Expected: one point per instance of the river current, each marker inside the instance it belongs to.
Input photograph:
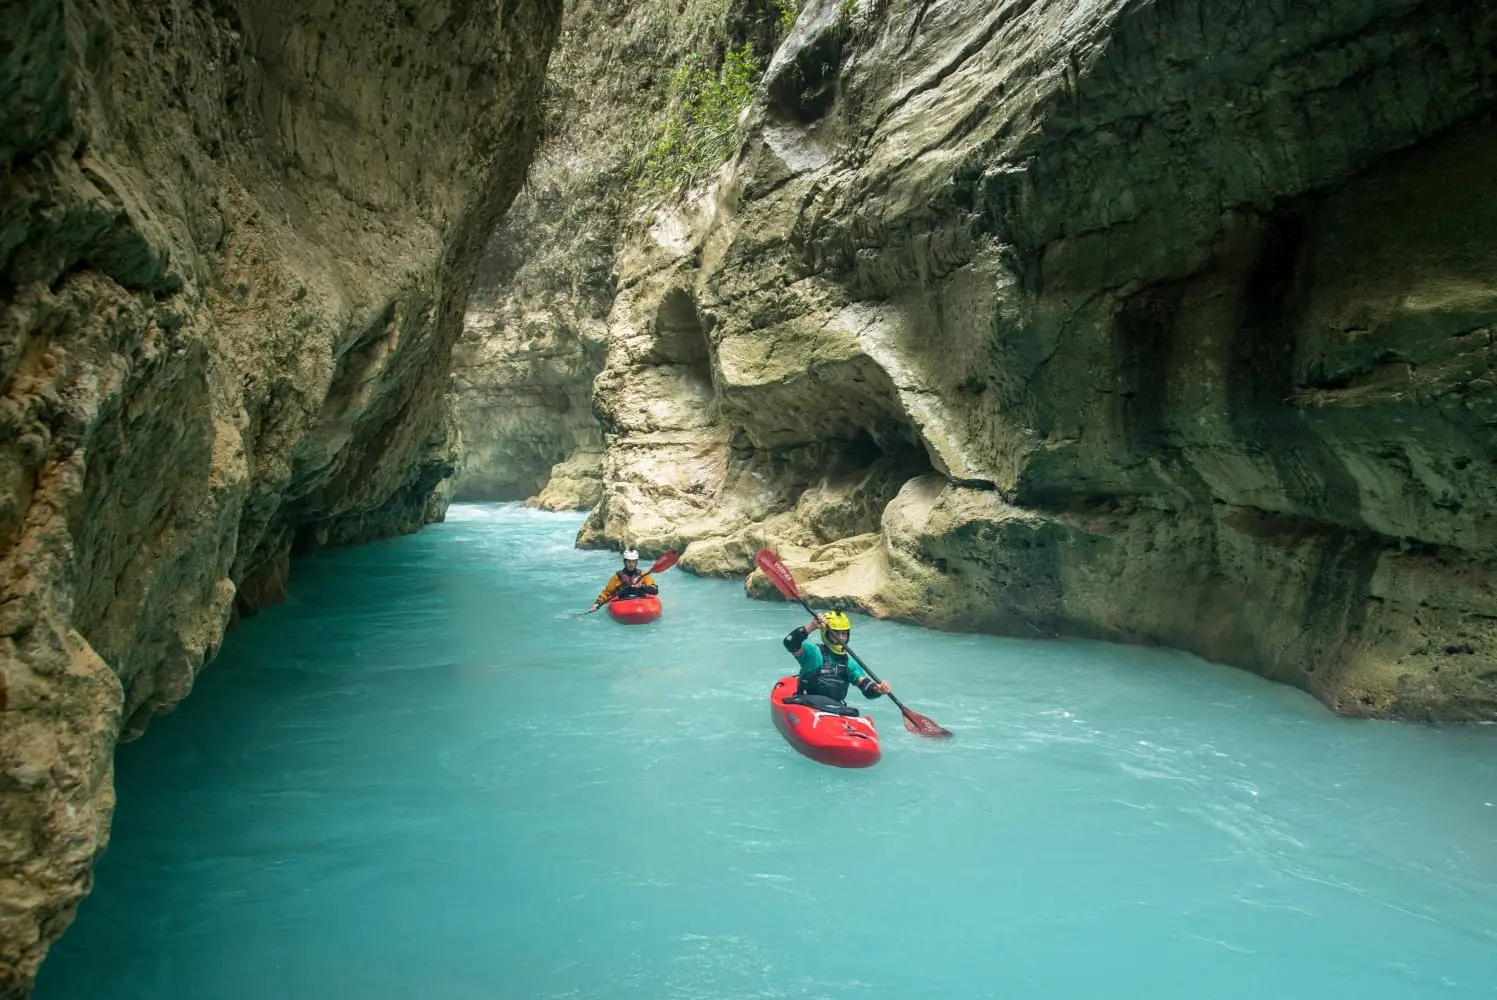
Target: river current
(420, 778)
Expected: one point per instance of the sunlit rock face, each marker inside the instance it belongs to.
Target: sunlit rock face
(1157, 322)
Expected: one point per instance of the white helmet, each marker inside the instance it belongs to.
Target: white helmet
(631, 555)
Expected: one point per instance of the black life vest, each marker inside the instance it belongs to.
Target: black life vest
(630, 586)
(832, 680)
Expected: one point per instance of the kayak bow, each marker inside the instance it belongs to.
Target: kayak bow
(635, 610)
(827, 737)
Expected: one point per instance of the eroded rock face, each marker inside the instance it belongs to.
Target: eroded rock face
(537, 328)
(235, 243)
(534, 333)
(533, 338)
(1172, 322)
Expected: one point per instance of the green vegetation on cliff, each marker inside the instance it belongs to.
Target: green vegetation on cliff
(727, 45)
(700, 126)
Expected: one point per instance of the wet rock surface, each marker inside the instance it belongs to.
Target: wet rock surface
(235, 246)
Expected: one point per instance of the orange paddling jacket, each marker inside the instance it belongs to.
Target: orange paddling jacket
(625, 589)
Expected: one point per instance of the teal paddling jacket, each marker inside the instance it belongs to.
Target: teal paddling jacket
(812, 659)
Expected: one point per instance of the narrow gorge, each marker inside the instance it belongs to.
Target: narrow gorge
(1158, 322)
(236, 244)
(1161, 322)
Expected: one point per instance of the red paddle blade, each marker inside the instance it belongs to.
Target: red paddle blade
(778, 574)
(922, 726)
(785, 584)
(665, 562)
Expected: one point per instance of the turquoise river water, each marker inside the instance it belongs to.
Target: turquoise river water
(417, 779)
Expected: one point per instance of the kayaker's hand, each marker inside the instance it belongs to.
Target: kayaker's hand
(818, 622)
(882, 687)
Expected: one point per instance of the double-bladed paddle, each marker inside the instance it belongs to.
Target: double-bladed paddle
(660, 565)
(780, 576)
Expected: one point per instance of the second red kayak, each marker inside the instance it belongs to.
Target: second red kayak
(635, 610)
(839, 740)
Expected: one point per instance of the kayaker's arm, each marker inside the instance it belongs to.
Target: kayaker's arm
(796, 639)
(613, 584)
(806, 654)
(647, 584)
(861, 680)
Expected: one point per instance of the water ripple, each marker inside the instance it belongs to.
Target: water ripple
(421, 778)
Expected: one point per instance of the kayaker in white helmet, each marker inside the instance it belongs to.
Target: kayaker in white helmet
(628, 582)
(826, 672)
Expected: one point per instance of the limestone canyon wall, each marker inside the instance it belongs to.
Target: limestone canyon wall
(537, 327)
(235, 243)
(1162, 322)
(533, 336)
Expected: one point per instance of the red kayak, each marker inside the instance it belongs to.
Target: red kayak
(839, 740)
(635, 610)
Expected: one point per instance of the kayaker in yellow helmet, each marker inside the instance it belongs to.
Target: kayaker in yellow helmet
(628, 582)
(826, 672)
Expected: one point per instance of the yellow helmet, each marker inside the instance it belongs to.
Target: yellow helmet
(836, 621)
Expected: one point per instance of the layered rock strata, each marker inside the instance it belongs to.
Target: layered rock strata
(537, 327)
(533, 335)
(235, 245)
(1164, 322)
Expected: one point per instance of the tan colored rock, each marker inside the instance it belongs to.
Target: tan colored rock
(575, 484)
(522, 391)
(1177, 321)
(537, 331)
(236, 241)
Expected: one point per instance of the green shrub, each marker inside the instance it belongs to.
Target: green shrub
(789, 10)
(700, 126)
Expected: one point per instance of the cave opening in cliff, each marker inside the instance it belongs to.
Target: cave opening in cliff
(879, 460)
(895, 445)
(681, 338)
